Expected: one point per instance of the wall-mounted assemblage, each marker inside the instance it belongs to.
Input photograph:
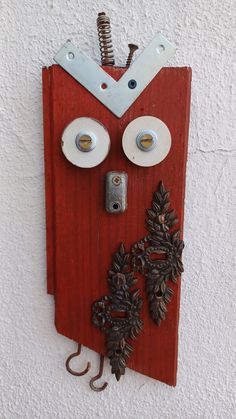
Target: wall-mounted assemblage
(115, 162)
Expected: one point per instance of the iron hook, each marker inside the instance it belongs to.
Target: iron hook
(77, 374)
(93, 379)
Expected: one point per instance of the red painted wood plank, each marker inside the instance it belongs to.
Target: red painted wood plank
(85, 236)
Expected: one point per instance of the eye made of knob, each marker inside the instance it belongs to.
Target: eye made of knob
(146, 140)
(85, 142)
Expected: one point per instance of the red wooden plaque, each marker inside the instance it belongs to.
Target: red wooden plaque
(82, 237)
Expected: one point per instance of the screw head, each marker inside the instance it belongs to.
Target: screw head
(133, 47)
(85, 141)
(116, 180)
(146, 140)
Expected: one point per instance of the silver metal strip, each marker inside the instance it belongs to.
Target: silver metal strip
(117, 96)
(116, 192)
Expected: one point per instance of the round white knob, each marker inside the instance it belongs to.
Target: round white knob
(85, 142)
(146, 141)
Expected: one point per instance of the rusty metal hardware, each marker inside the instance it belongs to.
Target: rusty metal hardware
(118, 314)
(105, 39)
(99, 375)
(158, 255)
(116, 192)
(132, 49)
(69, 369)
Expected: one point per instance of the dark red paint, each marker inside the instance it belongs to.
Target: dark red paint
(82, 236)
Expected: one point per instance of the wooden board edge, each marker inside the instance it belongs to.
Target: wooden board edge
(48, 157)
(186, 135)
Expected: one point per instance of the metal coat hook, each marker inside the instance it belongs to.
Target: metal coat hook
(93, 379)
(76, 373)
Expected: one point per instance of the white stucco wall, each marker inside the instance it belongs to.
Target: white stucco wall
(33, 380)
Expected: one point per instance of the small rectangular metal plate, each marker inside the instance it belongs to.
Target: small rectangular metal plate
(117, 96)
(116, 192)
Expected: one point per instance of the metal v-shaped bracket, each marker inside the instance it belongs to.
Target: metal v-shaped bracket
(117, 96)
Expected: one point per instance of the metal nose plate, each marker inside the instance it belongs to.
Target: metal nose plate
(116, 192)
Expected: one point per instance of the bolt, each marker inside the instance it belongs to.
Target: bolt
(146, 140)
(116, 180)
(85, 141)
(132, 49)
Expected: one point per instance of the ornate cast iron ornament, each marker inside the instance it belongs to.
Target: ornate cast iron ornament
(158, 255)
(118, 314)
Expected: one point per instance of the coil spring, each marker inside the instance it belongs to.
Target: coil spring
(105, 40)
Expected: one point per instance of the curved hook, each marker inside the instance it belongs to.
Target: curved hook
(93, 379)
(77, 374)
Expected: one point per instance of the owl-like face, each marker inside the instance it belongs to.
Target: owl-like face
(84, 142)
(146, 140)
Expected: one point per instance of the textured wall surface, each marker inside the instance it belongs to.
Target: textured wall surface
(33, 380)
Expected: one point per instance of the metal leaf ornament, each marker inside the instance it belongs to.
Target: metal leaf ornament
(118, 314)
(158, 255)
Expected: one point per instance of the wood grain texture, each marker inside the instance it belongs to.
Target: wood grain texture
(82, 236)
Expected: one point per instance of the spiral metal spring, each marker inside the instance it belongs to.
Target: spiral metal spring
(105, 40)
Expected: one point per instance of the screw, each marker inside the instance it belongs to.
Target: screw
(132, 49)
(116, 180)
(85, 141)
(146, 140)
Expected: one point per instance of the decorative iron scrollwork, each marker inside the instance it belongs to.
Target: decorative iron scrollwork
(158, 255)
(118, 314)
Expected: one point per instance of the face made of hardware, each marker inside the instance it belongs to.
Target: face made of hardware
(82, 236)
